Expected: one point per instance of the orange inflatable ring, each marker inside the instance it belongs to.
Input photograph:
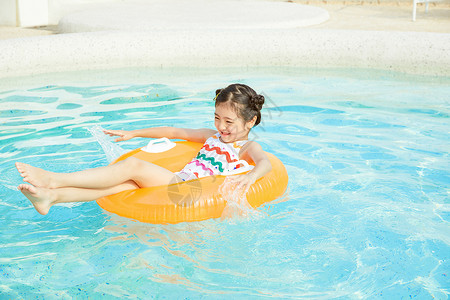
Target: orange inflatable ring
(188, 201)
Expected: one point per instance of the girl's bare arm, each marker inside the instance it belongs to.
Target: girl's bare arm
(255, 152)
(194, 135)
(252, 151)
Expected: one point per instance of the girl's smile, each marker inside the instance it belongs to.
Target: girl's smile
(231, 127)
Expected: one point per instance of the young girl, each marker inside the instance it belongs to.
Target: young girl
(237, 110)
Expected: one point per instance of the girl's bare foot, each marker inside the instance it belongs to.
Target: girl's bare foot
(41, 198)
(36, 176)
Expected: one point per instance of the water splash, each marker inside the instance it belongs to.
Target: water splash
(112, 150)
(237, 207)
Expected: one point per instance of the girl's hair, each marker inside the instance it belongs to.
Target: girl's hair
(243, 99)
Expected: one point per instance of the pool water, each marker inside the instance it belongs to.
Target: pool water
(366, 214)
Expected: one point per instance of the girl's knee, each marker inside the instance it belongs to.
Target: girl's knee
(133, 163)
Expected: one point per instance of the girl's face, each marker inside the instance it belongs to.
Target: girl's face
(230, 125)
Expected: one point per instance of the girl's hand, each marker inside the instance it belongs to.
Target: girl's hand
(122, 134)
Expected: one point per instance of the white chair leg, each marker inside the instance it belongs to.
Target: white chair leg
(414, 10)
(426, 6)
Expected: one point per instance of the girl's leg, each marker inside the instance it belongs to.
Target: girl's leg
(43, 198)
(143, 173)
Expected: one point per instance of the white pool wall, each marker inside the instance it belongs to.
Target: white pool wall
(30, 13)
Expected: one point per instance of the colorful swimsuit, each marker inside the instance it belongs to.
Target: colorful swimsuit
(214, 158)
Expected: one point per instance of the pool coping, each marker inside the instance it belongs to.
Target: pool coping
(408, 52)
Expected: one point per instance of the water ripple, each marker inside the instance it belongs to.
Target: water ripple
(365, 216)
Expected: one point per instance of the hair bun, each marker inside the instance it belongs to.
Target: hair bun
(257, 101)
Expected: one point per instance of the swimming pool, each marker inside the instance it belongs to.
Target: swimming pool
(366, 214)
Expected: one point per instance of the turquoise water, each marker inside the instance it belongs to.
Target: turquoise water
(366, 215)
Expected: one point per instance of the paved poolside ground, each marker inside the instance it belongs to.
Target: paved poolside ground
(387, 17)
(257, 34)
(384, 17)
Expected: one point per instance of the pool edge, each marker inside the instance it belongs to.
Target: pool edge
(407, 52)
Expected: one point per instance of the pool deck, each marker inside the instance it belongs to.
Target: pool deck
(323, 36)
